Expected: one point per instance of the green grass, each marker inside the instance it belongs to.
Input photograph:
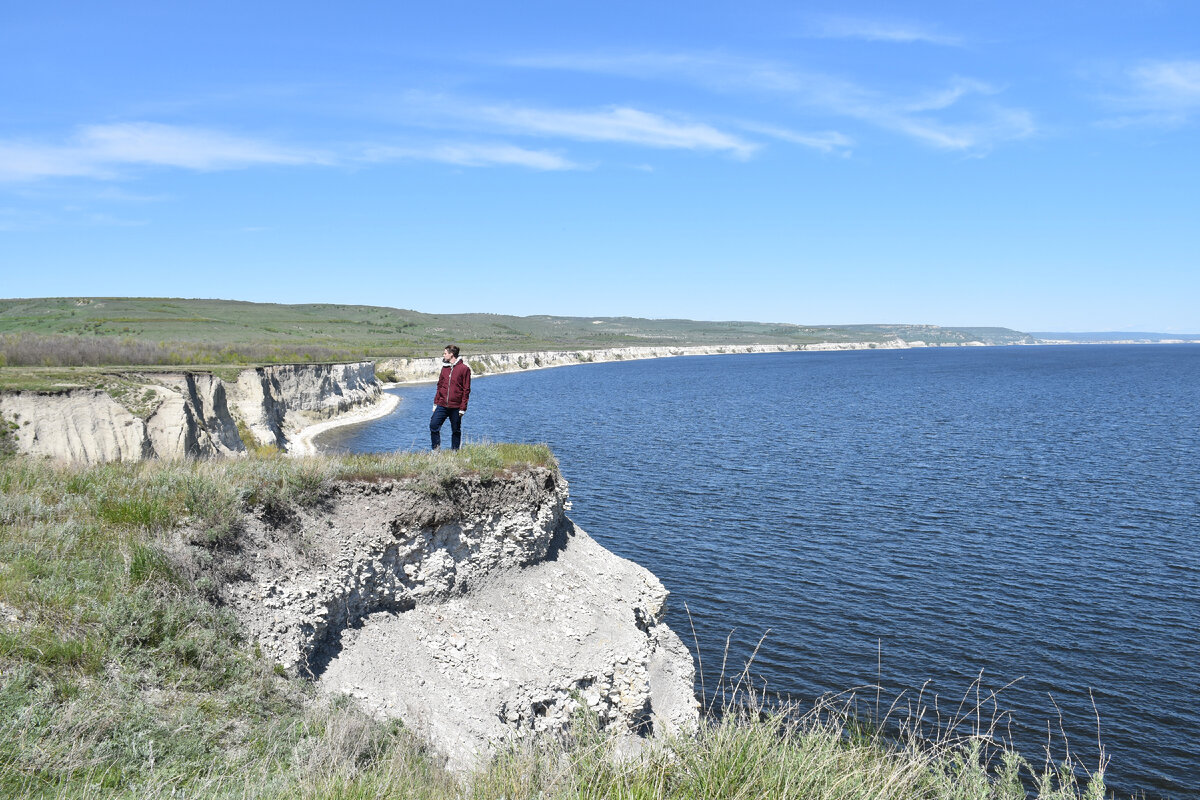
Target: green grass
(8, 437)
(56, 332)
(119, 678)
(56, 379)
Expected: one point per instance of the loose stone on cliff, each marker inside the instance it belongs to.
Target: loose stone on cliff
(467, 626)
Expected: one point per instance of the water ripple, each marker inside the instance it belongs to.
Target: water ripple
(1018, 511)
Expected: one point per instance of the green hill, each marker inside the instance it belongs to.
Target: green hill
(171, 331)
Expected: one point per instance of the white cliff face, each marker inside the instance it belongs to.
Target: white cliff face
(426, 369)
(193, 419)
(476, 616)
(275, 402)
(186, 415)
(78, 426)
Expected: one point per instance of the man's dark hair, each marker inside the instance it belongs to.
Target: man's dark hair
(453, 348)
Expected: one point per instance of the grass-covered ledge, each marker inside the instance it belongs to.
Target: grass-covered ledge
(120, 678)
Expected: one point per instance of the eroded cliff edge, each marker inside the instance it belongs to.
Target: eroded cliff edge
(406, 370)
(186, 415)
(475, 611)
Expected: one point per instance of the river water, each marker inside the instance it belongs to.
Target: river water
(918, 517)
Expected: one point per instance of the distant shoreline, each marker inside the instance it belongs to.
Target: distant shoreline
(398, 371)
(418, 371)
(1117, 341)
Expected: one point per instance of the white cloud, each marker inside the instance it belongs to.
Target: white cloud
(977, 135)
(952, 117)
(1170, 82)
(105, 151)
(940, 99)
(474, 155)
(627, 125)
(1158, 93)
(22, 162)
(100, 151)
(825, 141)
(614, 124)
(880, 30)
(188, 148)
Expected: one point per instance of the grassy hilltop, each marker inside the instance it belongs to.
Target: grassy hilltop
(164, 331)
(121, 677)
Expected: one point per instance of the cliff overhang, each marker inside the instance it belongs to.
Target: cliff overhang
(476, 612)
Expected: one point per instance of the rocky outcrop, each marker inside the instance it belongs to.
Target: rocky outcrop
(402, 370)
(476, 616)
(185, 415)
(192, 419)
(276, 401)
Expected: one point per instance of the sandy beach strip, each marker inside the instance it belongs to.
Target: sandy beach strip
(303, 444)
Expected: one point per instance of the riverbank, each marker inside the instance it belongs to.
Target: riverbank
(409, 371)
(423, 370)
(392, 372)
(303, 440)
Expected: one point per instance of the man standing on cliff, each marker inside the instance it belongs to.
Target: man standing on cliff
(450, 400)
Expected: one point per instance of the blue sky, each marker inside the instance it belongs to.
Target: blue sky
(1032, 165)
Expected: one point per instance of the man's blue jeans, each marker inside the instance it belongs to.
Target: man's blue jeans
(440, 414)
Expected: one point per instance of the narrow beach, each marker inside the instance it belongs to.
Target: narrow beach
(304, 444)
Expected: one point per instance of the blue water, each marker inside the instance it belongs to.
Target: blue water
(1030, 513)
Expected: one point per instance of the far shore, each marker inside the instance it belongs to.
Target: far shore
(419, 371)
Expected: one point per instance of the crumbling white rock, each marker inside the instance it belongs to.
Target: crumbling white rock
(476, 616)
(187, 415)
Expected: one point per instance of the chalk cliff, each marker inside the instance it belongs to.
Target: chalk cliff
(475, 615)
(275, 401)
(404, 370)
(178, 415)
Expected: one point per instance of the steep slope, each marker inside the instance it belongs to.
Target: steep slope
(476, 614)
(185, 415)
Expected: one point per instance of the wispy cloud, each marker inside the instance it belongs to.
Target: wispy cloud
(973, 136)
(626, 125)
(1175, 83)
(880, 30)
(188, 148)
(474, 155)
(961, 115)
(110, 151)
(101, 151)
(1158, 93)
(825, 141)
(613, 124)
(944, 97)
